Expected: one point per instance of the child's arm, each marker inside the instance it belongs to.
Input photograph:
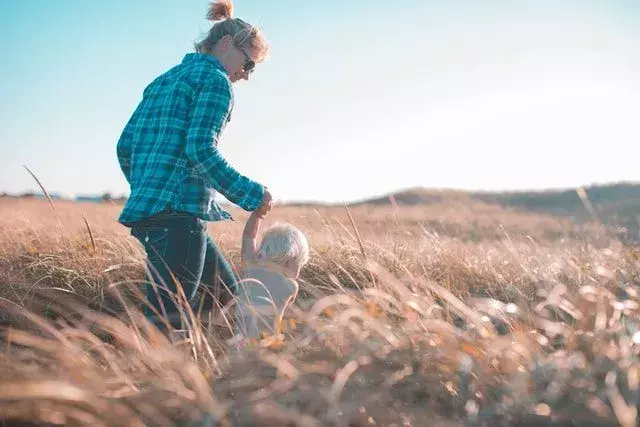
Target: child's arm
(248, 251)
(249, 237)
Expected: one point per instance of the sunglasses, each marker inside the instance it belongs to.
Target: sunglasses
(249, 64)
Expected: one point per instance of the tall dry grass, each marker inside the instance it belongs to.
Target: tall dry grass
(450, 314)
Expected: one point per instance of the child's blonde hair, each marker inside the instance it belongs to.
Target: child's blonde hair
(284, 244)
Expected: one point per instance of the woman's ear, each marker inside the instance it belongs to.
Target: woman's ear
(225, 42)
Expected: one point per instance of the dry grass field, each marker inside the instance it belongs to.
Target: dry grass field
(454, 313)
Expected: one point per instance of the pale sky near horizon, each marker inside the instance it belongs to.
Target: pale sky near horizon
(358, 98)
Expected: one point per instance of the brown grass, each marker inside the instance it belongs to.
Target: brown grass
(460, 314)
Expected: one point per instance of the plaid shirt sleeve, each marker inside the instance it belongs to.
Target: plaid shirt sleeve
(210, 110)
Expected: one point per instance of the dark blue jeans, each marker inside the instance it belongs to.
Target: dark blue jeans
(179, 250)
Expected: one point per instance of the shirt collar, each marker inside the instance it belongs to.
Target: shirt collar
(192, 57)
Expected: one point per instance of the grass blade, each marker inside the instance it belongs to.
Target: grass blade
(41, 187)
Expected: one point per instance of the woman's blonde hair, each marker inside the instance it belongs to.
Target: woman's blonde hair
(245, 36)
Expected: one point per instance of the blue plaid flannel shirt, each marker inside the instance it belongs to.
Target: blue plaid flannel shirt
(168, 149)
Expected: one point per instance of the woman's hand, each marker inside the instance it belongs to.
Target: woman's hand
(266, 205)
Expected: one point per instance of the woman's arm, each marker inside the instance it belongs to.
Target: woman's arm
(208, 116)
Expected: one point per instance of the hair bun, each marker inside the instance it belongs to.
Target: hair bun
(220, 10)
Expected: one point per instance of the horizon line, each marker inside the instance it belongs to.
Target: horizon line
(293, 201)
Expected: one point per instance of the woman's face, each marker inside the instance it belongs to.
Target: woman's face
(237, 62)
(244, 71)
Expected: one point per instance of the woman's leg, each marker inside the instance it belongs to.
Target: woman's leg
(175, 244)
(218, 278)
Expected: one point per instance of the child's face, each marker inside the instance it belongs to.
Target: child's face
(293, 270)
(297, 272)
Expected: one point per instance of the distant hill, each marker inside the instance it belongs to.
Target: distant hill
(616, 205)
(417, 196)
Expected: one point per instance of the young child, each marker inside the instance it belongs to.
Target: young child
(270, 270)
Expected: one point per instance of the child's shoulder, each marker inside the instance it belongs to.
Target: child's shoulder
(259, 270)
(267, 275)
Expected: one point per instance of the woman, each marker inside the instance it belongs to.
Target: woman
(168, 154)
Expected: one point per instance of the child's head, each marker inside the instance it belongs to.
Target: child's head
(284, 245)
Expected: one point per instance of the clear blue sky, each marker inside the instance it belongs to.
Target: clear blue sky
(358, 98)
